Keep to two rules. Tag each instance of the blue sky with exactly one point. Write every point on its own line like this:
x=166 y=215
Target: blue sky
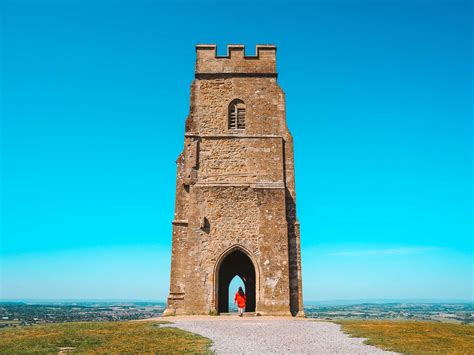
x=379 y=101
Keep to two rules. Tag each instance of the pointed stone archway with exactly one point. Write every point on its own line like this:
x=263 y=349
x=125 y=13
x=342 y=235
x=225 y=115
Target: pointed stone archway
x=235 y=262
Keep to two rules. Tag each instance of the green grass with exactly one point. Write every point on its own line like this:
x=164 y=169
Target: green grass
x=411 y=337
x=101 y=337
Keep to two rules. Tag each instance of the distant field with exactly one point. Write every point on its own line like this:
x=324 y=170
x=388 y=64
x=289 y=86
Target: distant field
x=26 y=313
x=414 y=337
x=101 y=337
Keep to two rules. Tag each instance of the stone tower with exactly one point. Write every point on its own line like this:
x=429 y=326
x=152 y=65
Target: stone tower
x=235 y=190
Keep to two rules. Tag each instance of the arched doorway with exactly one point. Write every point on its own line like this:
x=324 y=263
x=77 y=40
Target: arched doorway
x=235 y=263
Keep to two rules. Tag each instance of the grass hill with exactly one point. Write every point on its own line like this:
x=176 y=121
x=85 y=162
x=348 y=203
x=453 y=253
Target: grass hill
x=414 y=337
x=101 y=337
x=408 y=337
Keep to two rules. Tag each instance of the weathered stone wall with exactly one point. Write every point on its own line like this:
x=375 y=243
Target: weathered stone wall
x=262 y=96
x=235 y=187
x=240 y=160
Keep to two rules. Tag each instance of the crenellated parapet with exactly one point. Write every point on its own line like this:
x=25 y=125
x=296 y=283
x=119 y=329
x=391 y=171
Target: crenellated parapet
x=235 y=63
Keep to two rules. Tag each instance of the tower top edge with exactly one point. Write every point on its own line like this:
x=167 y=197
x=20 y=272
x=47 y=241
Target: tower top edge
x=236 y=61
x=235 y=48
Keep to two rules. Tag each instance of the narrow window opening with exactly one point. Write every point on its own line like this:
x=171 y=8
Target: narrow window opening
x=237 y=114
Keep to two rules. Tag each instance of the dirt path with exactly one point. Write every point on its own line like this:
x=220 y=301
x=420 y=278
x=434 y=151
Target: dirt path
x=268 y=335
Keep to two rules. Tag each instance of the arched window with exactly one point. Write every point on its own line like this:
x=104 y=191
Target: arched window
x=237 y=114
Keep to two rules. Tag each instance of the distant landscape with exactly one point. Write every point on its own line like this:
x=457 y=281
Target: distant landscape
x=25 y=313
x=35 y=312
x=461 y=313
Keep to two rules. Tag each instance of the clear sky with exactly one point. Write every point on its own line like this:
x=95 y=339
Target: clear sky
x=379 y=101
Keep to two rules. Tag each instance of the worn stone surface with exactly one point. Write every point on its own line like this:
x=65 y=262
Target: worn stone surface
x=235 y=190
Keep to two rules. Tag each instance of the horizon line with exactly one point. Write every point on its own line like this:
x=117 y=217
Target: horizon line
x=353 y=300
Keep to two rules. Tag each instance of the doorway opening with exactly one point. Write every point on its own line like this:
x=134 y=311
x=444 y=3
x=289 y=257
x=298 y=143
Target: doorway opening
x=236 y=263
x=234 y=285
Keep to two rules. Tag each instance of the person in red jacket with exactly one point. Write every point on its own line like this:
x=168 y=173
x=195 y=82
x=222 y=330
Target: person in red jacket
x=240 y=299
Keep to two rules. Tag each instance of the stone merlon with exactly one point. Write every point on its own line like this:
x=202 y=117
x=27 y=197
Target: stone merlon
x=236 y=63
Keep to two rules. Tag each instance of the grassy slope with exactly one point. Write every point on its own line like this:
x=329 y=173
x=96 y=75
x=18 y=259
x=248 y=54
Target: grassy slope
x=414 y=337
x=102 y=337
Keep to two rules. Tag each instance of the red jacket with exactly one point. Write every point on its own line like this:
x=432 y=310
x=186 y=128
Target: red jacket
x=240 y=300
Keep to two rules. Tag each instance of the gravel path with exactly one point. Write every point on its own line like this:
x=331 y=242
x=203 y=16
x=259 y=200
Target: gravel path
x=274 y=336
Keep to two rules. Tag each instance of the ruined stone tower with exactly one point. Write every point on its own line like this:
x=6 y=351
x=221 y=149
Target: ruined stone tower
x=235 y=190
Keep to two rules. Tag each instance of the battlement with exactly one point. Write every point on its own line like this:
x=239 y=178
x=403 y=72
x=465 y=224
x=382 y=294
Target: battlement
x=236 y=63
